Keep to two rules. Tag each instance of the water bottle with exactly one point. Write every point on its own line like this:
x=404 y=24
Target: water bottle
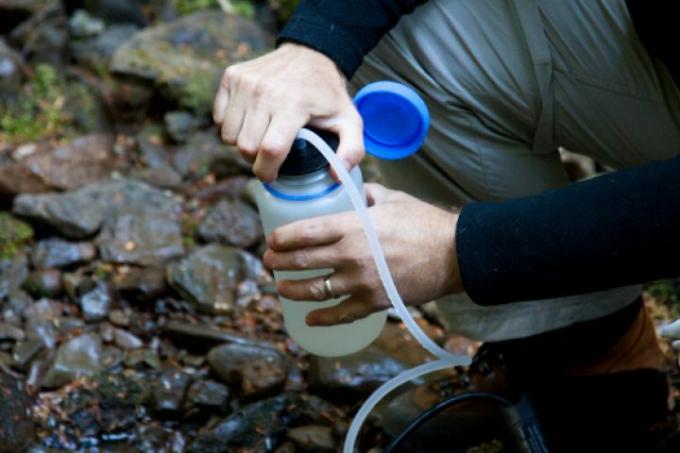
x=395 y=124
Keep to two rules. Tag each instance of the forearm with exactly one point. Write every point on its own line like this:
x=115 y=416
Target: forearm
x=344 y=30
x=619 y=229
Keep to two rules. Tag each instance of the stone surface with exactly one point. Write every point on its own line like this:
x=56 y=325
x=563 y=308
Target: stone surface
x=313 y=437
x=202 y=336
x=96 y=304
x=81 y=213
x=14 y=235
x=79 y=356
x=43 y=283
x=142 y=238
x=13 y=272
x=10 y=332
x=256 y=370
x=231 y=222
x=12 y=72
x=180 y=124
x=125 y=340
x=168 y=394
x=210 y=275
x=16 y=426
x=64 y=167
x=162 y=176
x=96 y=51
x=208 y=393
x=56 y=253
x=185 y=58
x=206 y=152
x=140 y=283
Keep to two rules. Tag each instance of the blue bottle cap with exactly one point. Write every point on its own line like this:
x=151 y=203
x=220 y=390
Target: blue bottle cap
x=395 y=118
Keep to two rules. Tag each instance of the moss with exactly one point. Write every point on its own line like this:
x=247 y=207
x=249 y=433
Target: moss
x=14 y=234
x=198 y=92
x=241 y=7
x=666 y=293
x=38 y=113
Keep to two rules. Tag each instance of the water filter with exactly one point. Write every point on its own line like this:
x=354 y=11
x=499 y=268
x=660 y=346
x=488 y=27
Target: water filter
x=396 y=121
x=306 y=189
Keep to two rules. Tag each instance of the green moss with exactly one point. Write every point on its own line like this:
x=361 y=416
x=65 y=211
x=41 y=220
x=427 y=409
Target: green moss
x=241 y=7
x=198 y=92
x=14 y=234
x=38 y=113
x=666 y=292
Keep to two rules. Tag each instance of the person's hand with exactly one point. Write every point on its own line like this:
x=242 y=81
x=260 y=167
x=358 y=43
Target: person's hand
x=419 y=244
x=672 y=332
x=263 y=103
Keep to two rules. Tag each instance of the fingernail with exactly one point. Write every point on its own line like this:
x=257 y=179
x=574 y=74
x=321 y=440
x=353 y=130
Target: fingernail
x=310 y=320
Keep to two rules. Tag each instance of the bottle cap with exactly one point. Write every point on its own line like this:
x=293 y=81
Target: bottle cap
x=304 y=158
x=395 y=118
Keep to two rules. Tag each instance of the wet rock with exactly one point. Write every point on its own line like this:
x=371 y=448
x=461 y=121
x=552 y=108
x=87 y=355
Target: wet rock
x=258 y=423
x=206 y=152
x=162 y=176
x=10 y=332
x=257 y=370
x=231 y=222
x=82 y=25
x=57 y=253
x=141 y=238
x=43 y=310
x=96 y=303
x=95 y=52
x=76 y=284
x=115 y=11
x=24 y=352
x=208 y=394
x=141 y=283
x=126 y=340
x=13 y=272
x=201 y=336
x=79 y=356
x=17 y=303
x=16 y=426
x=181 y=124
x=12 y=72
x=313 y=437
x=210 y=275
x=43 y=283
x=43 y=330
x=64 y=167
x=185 y=58
x=111 y=356
x=152 y=147
x=358 y=373
x=168 y=393
x=81 y=213
x=119 y=318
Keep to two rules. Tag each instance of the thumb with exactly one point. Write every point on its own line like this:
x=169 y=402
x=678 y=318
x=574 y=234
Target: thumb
x=672 y=330
x=349 y=128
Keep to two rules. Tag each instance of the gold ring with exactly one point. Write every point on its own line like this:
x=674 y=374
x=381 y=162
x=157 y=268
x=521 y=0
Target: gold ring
x=329 y=288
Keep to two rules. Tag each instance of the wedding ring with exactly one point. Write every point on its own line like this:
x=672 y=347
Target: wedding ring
x=329 y=288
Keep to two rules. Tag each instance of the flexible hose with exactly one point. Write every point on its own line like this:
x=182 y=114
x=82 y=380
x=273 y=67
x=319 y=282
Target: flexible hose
x=446 y=358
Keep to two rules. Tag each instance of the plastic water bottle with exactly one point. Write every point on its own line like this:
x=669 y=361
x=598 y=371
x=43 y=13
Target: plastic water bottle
x=395 y=124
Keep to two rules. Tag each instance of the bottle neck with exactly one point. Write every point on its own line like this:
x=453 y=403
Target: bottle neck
x=303 y=187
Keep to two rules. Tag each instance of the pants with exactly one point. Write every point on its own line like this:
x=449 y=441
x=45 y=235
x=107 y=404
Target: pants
x=508 y=82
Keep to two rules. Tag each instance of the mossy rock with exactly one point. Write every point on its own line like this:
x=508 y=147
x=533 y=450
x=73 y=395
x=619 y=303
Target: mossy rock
x=185 y=59
x=14 y=234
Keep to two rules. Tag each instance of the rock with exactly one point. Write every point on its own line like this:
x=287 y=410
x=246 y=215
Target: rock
x=96 y=51
x=14 y=234
x=43 y=283
x=25 y=351
x=313 y=437
x=210 y=275
x=115 y=11
x=17 y=303
x=16 y=425
x=81 y=213
x=77 y=284
x=201 y=336
x=96 y=303
x=162 y=176
x=168 y=394
x=208 y=394
x=258 y=371
x=12 y=72
x=82 y=25
x=143 y=238
x=152 y=147
x=253 y=424
x=205 y=152
x=231 y=222
x=181 y=124
x=79 y=356
x=186 y=58
x=57 y=253
x=43 y=310
x=119 y=318
x=358 y=373
x=141 y=283
x=125 y=340
x=10 y=332
x=13 y=272
x=64 y=167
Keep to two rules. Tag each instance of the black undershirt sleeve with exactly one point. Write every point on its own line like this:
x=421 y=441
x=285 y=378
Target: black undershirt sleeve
x=618 y=229
x=344 y=30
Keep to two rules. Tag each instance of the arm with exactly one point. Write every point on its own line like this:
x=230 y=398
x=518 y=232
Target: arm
x=262 y=104
x=618 y=229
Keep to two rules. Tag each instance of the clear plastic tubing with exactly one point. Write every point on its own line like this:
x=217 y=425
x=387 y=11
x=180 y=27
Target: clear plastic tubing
x=446 y=359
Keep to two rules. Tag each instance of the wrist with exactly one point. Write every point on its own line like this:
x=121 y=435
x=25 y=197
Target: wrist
x=453 y=281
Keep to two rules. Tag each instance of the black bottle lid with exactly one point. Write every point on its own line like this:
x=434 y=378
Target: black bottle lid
x=304 y=158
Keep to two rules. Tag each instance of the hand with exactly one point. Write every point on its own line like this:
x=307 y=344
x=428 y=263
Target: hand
x=262 y=104
x=419 y=244
x=672 y=332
